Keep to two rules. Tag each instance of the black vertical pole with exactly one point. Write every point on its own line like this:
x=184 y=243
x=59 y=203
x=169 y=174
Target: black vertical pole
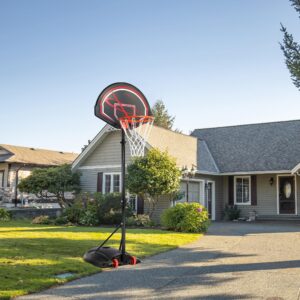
x=16 y=187
x=123 y=246
x=187 y=190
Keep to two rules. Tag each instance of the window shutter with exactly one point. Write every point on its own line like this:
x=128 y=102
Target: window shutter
x=100 y=182
x=230 y=190
x=253 y=190
x=140 y=205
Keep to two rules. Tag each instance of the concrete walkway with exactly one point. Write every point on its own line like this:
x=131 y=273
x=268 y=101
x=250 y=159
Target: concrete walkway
x=233 y=261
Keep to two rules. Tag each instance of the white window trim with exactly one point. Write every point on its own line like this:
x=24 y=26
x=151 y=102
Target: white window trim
x=111 y=181
x=128 y=195
x=237 y=203
x=213 y=204
x=296 y=199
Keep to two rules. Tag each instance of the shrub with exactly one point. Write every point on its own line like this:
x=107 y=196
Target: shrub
x=139 y=220
x=62 y=220
x=111 y=218
x=92 y=210
x=109 y=208
x=186 y=217
x=231 y=213
x=41 y=220
x=4 y=215
x=74 y=213
x=90 y=216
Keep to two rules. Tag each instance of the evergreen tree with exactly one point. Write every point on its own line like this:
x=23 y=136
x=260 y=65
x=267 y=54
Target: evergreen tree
x=291 y=50
x=162 y=118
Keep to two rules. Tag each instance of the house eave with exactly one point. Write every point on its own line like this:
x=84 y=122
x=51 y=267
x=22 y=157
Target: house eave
x=245 y=173
x=296 y=169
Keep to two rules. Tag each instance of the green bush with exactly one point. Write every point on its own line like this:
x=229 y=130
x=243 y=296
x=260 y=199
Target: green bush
x=62 y=220
x=231 y=213
x=92 y=210
x=140 y=221
x=110 y=209
x=186 y=217
x=4 y=215
x=74 y=213
x=90 y=216
x=111 y=218
x=41 y=220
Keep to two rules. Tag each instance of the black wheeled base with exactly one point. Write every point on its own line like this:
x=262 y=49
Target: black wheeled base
x=107 y=257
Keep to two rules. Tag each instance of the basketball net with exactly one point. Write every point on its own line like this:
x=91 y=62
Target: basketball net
x=137 y=130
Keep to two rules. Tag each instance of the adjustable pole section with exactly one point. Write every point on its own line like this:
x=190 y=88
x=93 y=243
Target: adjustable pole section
x=123 y=246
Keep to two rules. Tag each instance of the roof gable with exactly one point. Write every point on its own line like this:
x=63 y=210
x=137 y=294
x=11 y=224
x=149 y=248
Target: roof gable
x=182 y=147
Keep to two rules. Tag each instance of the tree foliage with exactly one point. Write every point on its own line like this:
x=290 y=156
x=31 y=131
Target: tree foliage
x=53 y=180
x=291 y=50
x=152 y=176
x=162 y=118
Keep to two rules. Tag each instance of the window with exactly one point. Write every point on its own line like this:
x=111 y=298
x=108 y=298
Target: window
x=112 y=183
x=242 y=190
x=132 y=201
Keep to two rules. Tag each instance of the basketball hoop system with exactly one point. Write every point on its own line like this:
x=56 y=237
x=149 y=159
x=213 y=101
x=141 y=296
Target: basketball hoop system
x=124 y=107
x=137 y=130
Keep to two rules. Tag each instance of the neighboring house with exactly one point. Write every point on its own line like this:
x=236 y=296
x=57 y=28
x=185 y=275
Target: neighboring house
x=17 y=163
x=252 y=166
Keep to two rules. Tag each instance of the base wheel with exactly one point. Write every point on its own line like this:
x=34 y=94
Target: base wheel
x=133 y=260
x=115 y=263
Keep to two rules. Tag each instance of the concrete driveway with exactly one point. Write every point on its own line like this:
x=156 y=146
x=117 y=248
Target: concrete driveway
x=233 y=261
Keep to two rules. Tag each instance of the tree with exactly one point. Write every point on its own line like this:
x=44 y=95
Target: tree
x=162 y=118
x=291 y=50
x=152 y=176
x=52 y=181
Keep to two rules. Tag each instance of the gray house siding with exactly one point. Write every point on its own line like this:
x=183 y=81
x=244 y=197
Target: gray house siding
x=108 y=152
x=106 y=158
x=89 y=177
x=219 y=194
x=163 y=203
x=266 y=196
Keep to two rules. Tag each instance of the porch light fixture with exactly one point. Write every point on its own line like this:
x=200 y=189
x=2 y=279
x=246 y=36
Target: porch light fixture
x=271 y=181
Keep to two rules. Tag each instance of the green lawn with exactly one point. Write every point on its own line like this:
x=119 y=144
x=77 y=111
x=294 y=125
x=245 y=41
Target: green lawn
x=31 y=255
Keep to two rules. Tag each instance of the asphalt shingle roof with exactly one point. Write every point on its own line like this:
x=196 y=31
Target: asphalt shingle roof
x=255 y=147
x=36 y=156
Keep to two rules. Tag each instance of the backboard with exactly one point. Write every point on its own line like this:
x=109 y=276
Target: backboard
x=121 y=100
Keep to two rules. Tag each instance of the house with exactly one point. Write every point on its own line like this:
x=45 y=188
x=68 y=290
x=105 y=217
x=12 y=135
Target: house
x=257 y=164
x=17 y=162
x=100 y=163
x=254 y=167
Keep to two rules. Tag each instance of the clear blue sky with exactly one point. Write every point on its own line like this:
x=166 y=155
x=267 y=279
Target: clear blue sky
x=213 y=63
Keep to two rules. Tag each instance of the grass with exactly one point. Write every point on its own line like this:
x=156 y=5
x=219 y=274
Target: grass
x=31 y=255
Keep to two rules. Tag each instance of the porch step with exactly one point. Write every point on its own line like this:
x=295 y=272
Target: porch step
x=278 y=218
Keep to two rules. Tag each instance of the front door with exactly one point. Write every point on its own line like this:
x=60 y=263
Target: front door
x=286 y=193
